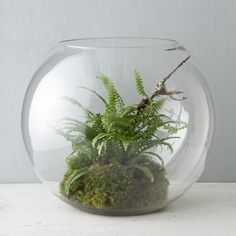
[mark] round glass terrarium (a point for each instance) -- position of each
(118, 126)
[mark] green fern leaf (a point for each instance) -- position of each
(156, 155)
(158, 104)
(119, 123)
(114, 99)
(99, 137)
(77, 103)
(126, 144)
(146, 171)
(171, 129)
(97, 94)
(75, 175)
(139, 84)
(101, 148)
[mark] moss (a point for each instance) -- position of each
(113, 185)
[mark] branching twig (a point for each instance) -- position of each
(162, 90)
(177, 67)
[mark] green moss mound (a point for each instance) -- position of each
(114, 185)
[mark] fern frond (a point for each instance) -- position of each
(126, 143)
(122, 123)
(171, 129)
(139, 84)
(60, 132)
(97, 94)
(75, 175)
(158, 104)
(99, 137)
(145, 170)
(114, 99)
(147, 144)
(156, 155)
(70, 119)
(118, 148)
(169, 146)
(75, 130)
(101, 147)
(77, 103)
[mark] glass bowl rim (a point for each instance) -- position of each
(120, 42)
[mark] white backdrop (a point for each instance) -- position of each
(29, 28)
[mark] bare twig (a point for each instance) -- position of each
(162, 90)
(177, 67)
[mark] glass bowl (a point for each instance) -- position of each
(118, 126)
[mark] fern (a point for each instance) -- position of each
(78, 173)
(97, 94)
(119, 133)
(139, 84)
(77, 103)
(114, 99)
(155, 155)
(146, 171)
(119, 123)
(157, 105)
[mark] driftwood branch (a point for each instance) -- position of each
(162, 90)
(177, 67)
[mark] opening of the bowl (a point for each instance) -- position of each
(120, 42)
